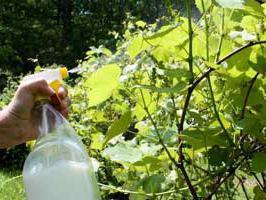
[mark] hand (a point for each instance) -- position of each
(16, 123)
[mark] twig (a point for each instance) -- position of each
(258, 181)
(263, 179)
(157, 131)
(243, 187)
(242, 114)
(138, 193)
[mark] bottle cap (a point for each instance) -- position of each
(63, 72)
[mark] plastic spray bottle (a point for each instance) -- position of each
(58, 168)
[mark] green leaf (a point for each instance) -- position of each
(249, 23)
(218, 156)
(240, 60)
(259, 194)
(151, 162)
(102, 83)
(136, 46)
(139, 111)
(167, 134)
(258, 62)
(123, 152)
(204, 137)
(162, 32)
(254, 8)
(153, 183)
(258, 163)
(118, 127)
(178, 73)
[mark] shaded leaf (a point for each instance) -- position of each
(218, 156)
(258, 163)
(259, 194)
(118, 127)
(204, 137)
(153, 183)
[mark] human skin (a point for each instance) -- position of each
(16, 120)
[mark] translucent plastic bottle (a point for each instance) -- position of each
(58, 168)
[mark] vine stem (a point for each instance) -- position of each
(156, 130)
(138, 193)
(188, 96)
(208, 77)
(242, 114)
(252, 82)
(181, 125)
(242, 183)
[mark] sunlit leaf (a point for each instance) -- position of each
(102, 83)
(123, 152)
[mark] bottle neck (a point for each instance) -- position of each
(46, 118)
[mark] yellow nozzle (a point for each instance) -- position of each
(63, 72)
(56, 84)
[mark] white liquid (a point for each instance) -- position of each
(66, 180)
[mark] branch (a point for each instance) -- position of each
(189, 93)
(250, 44)
(242, 114)
(242, 183)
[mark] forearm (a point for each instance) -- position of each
(10, 129)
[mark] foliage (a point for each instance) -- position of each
(185, 116)
(178, 111)
(54, 31)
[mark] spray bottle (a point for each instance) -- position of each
(58, 168)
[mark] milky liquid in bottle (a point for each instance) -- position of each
(66, 180)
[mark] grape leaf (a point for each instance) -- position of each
(118, 127)
(258, 163)
(102, 83)
(123, 152)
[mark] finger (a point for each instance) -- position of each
(64, 113)
(56, 101)
(62, 92)
(38, 88)
(67, 101)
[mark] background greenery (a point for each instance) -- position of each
(171, 105)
